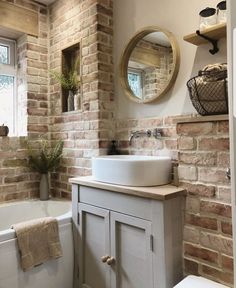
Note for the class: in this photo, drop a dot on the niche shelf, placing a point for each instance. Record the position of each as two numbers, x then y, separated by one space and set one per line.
213 34
69 57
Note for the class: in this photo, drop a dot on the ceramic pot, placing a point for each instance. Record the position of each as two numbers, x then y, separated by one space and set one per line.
221 12
208 18
44 187
70 101
77 101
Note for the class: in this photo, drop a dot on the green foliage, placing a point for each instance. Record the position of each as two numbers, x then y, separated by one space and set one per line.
69 80
45 159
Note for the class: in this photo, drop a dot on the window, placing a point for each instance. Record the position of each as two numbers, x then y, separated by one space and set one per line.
4 54
8 95
135 80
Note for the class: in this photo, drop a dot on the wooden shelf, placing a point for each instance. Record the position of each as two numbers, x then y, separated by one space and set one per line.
215 32
198 118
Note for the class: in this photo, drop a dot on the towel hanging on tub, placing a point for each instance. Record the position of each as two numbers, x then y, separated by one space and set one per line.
38 241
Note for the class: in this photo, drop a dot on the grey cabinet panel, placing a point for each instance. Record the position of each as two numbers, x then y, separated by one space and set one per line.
131 247
94 233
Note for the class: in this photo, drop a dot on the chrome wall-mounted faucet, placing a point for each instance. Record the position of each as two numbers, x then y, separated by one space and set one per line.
138 133
157 133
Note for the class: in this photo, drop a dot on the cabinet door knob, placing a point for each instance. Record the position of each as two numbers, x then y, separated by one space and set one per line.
104 258
110 260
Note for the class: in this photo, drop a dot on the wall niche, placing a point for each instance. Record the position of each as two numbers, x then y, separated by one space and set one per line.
71 98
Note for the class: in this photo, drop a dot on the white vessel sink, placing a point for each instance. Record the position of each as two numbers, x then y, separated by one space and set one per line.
132 170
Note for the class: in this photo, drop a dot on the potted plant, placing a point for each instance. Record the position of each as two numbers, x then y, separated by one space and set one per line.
70 81
44 160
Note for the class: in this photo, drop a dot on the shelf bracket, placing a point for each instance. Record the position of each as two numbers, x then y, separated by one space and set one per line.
212 41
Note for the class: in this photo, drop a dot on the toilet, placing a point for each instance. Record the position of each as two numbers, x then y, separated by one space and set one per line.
198 282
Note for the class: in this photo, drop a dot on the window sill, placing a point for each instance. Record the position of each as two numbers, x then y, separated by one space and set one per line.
72 112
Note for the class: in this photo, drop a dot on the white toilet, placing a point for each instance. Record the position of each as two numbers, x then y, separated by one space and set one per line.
198 282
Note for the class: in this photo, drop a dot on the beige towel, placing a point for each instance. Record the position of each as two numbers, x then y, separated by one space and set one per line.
216 72
38 241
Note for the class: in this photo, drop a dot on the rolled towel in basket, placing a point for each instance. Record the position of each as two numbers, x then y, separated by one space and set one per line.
38 241
214 72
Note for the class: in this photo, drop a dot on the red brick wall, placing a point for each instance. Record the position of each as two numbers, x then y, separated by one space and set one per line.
203 159
86 132
16 179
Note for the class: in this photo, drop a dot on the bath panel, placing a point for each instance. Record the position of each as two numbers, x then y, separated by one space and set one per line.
55 273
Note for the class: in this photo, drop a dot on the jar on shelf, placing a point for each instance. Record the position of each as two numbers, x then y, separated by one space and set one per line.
208 18
221 12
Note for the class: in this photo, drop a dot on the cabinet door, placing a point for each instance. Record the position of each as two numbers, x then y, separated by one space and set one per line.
131 246
93 244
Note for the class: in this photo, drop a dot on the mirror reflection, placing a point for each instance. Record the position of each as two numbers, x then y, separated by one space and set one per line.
151 64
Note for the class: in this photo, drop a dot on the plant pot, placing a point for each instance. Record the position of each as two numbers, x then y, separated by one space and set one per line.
77 101
44 187
70 101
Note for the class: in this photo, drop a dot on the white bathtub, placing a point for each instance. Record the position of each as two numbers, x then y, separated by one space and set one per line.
56 273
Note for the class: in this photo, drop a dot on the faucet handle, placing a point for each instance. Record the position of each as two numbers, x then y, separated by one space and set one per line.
157 133
149 133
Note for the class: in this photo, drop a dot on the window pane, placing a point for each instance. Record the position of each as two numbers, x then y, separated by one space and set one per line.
4 54
135 81
7 102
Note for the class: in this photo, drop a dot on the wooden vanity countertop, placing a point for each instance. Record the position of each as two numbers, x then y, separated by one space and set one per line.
162 192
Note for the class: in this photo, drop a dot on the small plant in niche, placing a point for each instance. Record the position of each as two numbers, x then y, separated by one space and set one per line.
70 81
45 159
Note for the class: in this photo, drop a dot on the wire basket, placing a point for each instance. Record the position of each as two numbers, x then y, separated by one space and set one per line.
209 92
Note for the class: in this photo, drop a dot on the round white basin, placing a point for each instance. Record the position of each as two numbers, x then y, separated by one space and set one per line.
132 170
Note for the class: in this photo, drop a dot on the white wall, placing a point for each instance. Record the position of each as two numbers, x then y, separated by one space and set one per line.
180 18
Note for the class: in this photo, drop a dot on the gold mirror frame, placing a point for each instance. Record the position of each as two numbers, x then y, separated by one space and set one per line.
126 55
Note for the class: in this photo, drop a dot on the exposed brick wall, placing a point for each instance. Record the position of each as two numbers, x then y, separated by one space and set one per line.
203 159
17 181
167 144
86 132
202 150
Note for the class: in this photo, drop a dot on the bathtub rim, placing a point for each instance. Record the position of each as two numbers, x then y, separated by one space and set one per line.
9 234
19 201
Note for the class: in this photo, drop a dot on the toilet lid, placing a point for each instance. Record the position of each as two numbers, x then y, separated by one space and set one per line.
198 282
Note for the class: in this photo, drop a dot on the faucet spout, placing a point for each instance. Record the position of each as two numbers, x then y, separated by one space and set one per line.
138 133
132 135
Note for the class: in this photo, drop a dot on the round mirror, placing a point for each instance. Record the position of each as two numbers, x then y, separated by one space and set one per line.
149 64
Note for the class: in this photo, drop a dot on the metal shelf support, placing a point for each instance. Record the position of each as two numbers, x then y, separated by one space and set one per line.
214 42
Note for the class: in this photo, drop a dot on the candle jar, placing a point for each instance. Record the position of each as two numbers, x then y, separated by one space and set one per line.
221 12
208 18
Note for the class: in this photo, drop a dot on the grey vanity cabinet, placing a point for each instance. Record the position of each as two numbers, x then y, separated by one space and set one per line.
126 241
122 239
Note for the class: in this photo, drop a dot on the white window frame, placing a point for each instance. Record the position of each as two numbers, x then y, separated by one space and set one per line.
10 69
138 72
